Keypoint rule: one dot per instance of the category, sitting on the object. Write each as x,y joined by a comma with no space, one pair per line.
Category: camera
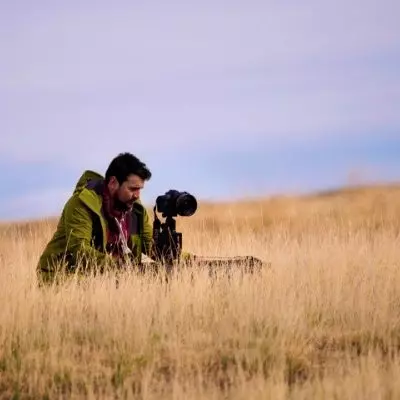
174,203
167,241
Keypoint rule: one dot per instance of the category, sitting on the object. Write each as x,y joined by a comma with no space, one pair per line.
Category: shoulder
140,209
83,204
91,199
75,205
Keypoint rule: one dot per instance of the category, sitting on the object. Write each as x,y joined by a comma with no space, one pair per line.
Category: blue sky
223,99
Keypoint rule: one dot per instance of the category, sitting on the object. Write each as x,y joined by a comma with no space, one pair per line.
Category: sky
222,99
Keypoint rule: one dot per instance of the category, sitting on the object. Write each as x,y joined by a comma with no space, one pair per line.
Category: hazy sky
223,99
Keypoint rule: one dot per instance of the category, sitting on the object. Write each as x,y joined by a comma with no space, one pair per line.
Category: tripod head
167,241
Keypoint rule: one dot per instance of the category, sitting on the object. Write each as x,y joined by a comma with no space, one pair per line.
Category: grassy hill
322,322
352,205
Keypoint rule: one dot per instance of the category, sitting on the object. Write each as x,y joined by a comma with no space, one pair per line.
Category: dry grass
322,322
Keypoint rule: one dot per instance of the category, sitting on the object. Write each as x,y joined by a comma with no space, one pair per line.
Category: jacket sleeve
147,234
78,224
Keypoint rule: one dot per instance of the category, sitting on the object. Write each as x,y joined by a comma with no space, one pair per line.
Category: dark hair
126,164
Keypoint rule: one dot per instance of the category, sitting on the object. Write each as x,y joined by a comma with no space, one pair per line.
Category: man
103,224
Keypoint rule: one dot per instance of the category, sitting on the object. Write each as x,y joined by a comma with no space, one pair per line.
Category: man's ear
113,183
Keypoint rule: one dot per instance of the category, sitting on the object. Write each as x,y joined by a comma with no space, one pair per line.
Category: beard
122,205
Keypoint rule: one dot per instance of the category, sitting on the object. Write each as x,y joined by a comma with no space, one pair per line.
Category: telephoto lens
186,204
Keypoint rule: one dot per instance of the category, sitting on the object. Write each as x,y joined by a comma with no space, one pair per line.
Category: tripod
168,248
167,242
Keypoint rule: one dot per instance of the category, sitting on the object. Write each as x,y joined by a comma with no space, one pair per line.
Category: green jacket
80,237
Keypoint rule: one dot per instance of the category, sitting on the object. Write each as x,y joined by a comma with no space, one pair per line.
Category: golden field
323,321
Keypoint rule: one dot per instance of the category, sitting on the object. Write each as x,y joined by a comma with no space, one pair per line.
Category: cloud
81,82
249,97
220,174
35,204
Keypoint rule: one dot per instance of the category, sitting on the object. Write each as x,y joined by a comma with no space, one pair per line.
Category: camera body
174,203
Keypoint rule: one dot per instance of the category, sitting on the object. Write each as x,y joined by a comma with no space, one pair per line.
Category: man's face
129,191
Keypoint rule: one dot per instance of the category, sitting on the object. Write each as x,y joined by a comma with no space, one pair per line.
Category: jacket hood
90,175
87,176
